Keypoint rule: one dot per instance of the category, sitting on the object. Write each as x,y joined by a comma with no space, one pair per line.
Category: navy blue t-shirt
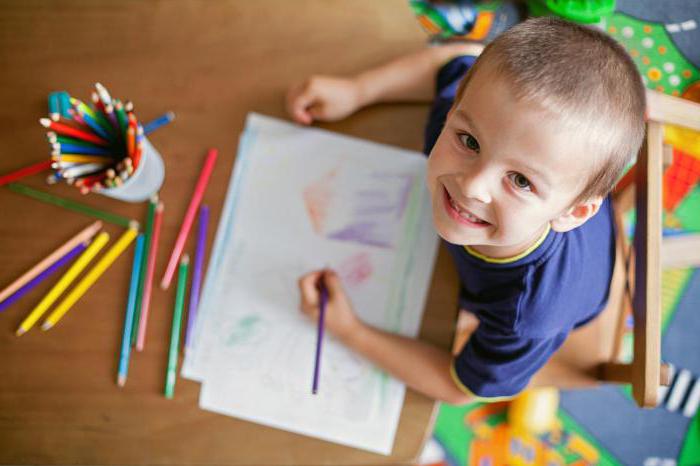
528,304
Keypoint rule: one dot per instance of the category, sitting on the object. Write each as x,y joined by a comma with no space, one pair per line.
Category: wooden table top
211,63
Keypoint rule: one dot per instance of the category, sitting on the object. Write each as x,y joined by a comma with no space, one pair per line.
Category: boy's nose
476,184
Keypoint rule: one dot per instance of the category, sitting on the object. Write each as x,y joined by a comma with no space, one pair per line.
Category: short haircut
585,78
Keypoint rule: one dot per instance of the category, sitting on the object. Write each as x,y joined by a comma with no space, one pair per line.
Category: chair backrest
645,372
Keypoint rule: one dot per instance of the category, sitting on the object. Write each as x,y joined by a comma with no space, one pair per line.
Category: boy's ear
576,215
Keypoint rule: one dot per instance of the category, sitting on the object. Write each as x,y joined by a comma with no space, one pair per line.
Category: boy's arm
410,78
423,367
419,365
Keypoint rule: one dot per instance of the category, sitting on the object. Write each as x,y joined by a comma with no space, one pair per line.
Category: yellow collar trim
506,260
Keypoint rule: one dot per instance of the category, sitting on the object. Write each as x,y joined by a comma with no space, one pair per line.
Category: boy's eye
469,142
519,181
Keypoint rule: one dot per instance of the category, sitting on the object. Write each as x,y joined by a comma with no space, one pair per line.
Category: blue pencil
64,104
54,109
319,336
129,318
94,125
42,276
158,122
74,149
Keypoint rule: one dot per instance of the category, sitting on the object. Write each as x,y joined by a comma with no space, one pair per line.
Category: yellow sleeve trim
506,260
461,386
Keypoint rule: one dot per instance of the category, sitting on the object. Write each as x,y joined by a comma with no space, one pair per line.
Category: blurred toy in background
466,20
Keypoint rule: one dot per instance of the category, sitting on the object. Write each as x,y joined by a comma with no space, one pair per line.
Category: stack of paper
301,199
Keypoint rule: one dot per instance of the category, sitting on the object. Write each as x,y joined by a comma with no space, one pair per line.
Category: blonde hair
582,76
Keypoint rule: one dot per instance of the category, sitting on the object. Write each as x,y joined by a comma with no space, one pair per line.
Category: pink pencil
148,284
189,217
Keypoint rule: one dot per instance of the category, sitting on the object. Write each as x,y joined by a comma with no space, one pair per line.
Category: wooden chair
591,354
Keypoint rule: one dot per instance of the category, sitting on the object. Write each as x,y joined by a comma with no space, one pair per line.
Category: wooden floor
211,62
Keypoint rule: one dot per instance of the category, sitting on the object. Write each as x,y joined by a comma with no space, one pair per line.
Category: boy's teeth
466,215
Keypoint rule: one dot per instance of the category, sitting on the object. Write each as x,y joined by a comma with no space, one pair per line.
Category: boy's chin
451,236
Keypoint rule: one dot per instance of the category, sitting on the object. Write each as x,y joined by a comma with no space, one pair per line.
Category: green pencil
69,204
144,265
175,331
121,117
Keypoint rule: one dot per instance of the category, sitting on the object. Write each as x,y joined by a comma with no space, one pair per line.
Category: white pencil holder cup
145,181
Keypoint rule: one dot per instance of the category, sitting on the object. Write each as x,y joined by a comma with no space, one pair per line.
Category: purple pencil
199,253
42,276
319,336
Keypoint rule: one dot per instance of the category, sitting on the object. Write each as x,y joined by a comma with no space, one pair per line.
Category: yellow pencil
92,276
63,283
77,158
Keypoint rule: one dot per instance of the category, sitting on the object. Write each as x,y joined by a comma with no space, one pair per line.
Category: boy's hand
340,318
323,98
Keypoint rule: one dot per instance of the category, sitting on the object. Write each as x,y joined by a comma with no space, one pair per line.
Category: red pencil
26,171
189,217
68,131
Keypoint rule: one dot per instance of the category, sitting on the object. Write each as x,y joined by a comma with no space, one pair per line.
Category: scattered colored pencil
175,329
63,284
42,276
319,336
69,204
26,171
156,123
92,276
81,237
199,253
150,270
129,315
189,217
144,266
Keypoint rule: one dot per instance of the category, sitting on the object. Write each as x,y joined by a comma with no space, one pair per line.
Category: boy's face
502,170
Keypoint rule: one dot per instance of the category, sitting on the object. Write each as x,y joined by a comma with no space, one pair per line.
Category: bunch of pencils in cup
97,145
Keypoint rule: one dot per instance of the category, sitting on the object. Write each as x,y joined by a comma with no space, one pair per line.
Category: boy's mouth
461,214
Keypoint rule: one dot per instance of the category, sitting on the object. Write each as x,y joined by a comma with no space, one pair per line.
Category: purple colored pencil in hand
323,299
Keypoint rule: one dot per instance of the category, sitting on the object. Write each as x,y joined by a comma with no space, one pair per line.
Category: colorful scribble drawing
242,337
317,197
356,269
367,210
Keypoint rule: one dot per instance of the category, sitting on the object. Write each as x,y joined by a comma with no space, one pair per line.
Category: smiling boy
525,142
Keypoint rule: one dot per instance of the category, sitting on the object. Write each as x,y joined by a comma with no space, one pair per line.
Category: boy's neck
505,252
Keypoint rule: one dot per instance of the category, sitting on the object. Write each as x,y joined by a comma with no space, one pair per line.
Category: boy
522,155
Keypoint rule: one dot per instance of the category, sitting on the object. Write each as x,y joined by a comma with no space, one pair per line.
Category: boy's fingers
332,282
305,97
308,289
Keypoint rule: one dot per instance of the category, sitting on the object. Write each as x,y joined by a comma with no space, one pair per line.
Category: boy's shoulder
563,283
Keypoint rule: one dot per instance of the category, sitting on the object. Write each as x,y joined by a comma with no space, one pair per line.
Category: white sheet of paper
301,199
